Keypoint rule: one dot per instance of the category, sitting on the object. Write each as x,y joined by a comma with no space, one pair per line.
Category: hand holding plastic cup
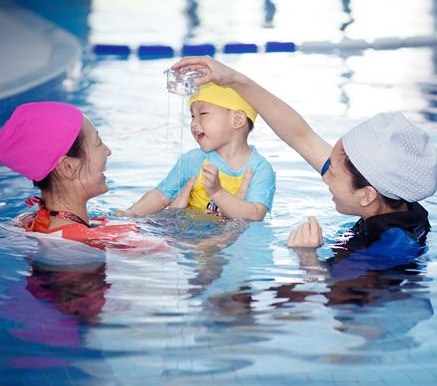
183,83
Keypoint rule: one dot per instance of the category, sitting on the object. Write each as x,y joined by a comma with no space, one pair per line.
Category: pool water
231,304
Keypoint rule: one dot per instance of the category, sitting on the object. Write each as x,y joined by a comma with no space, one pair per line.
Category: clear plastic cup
182,84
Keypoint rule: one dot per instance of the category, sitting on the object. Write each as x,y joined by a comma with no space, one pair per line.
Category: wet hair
359,182
77,150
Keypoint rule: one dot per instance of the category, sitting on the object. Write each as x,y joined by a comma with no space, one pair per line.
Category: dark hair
250,123
359,182
77,150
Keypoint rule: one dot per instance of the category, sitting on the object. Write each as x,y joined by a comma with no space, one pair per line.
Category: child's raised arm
282,118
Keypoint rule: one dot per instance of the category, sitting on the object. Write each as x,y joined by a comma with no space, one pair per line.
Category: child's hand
212,181
215,71
309,234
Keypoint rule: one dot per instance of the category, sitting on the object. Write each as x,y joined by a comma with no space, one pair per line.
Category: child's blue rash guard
261,188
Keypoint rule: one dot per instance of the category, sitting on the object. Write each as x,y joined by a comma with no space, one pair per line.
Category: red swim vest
99,233
100,228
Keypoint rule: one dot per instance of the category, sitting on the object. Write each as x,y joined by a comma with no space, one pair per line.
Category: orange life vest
98,234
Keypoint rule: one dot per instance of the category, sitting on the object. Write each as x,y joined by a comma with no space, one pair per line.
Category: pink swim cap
37,135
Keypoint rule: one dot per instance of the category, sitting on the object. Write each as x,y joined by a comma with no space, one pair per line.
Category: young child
221,122
379,170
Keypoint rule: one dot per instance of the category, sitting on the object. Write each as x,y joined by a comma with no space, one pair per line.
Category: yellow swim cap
225,97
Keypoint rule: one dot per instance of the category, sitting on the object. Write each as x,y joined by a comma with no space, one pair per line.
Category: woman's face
339,181
91,176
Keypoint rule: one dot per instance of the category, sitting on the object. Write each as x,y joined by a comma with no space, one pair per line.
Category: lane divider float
149,52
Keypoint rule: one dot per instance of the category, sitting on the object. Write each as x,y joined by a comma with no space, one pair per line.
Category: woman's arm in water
154,201
282,118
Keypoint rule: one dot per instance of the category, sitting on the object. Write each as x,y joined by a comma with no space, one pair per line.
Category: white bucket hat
395,156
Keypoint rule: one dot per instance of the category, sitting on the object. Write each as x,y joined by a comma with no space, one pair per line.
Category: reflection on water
379,301
48,306
348,11
192,18
77,293
202,238
379,305
270,10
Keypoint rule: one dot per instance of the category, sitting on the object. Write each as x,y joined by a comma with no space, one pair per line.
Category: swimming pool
234,306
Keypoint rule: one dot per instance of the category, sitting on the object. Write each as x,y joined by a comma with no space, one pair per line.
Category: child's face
211,125
339,180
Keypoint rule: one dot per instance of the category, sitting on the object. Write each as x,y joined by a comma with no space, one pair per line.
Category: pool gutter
36,55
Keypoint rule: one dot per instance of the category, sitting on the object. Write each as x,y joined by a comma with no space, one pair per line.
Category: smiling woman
58,148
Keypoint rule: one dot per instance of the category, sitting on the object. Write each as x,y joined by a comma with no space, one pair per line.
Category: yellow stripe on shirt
200,199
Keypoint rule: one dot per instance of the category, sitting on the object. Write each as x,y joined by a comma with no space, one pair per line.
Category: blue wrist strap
325,167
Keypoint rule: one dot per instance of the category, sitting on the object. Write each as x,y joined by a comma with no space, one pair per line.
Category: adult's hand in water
242,190
215,71
182,199
309,234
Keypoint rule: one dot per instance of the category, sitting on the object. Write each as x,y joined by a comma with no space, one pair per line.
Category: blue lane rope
240,48
200,49
112,49
155,52
280,47
147,52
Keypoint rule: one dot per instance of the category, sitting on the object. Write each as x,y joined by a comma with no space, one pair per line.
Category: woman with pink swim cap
58,148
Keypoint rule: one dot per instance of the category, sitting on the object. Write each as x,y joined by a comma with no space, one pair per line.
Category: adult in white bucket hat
378,170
